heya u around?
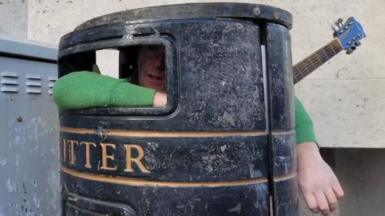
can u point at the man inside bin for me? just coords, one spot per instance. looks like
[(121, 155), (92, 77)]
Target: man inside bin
[(317, 181)]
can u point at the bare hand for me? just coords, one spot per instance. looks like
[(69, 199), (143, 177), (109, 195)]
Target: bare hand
[(317, 181), (160, 99)]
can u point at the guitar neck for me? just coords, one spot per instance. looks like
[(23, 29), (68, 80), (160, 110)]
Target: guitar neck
[(308, 65)]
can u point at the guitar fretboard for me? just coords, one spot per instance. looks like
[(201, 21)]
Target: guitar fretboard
[(308, 65)]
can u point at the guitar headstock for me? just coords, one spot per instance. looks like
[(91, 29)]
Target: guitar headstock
[(349, 34)]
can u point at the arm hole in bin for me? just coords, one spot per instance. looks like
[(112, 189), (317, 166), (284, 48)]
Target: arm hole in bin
[(154, 57)]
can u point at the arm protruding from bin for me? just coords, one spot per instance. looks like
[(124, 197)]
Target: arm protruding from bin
[(81, 90), (317, 181)]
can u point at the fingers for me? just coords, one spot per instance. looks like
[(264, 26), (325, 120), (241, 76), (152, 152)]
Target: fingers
[(339, 192), (311, 202), (331, 198), (322, 203)]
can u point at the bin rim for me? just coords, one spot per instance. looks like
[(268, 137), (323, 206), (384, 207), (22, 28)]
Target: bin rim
[(194, 10)]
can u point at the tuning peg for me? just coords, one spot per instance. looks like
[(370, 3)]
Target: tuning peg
[(339, 22), (334, 29), (358, 43), (350, 50)]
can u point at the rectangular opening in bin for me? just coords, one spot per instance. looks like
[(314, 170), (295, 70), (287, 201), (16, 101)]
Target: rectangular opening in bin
[(146, 63)]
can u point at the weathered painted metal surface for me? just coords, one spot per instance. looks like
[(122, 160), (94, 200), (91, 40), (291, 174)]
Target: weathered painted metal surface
[(224, 145), (29, 164)]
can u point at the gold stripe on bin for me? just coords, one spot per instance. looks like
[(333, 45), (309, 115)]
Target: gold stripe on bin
[(282, 132), (285, 177), (165, 134), (151, 183)]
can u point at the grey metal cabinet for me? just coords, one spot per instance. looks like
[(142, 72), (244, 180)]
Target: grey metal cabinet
[(29, 161)]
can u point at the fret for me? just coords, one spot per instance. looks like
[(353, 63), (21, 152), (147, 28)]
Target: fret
[(324, 57), (319, 58), (308, 65)]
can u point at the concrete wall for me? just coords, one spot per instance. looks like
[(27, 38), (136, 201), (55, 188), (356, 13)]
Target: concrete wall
[(13, 18)]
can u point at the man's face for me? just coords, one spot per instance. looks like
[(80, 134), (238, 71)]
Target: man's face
[(152, 68)]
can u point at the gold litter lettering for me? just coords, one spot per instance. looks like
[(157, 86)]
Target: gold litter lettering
[(72, 150), (106, 157), (137, 160), (64, 150), (88, 157)]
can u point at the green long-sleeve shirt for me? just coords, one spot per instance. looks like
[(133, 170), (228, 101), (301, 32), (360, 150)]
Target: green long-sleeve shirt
[(84, 89), (303, 124)]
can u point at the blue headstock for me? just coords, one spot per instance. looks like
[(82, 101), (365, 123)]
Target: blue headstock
[(349, 34)]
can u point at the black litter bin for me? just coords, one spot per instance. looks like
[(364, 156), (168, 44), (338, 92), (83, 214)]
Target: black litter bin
[(225, 142)]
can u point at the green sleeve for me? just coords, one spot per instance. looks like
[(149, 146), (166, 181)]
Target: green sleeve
[(303, 124), (85, 89)]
